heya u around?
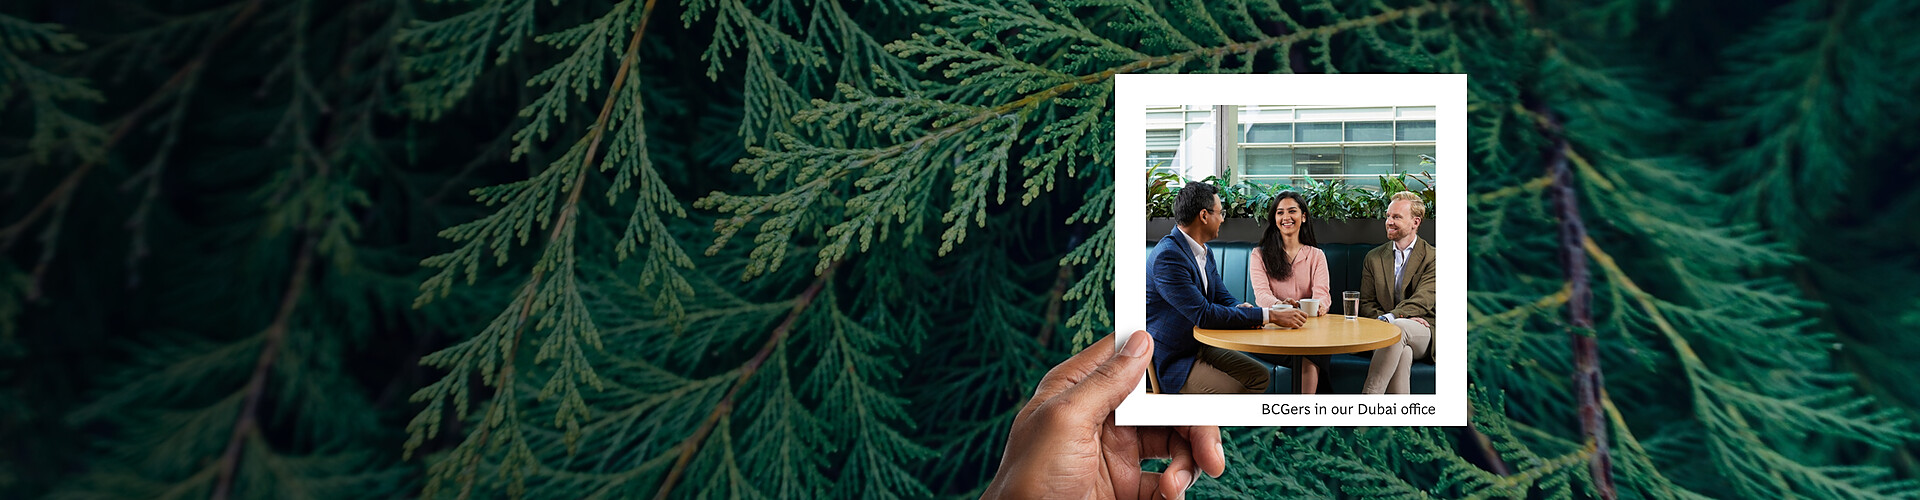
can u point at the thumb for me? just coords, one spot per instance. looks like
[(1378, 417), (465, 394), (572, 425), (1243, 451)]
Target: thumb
[(1112, 381)]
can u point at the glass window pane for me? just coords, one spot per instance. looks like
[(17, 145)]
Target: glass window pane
[(1267, 161), (1407, 159), (1318, 132), (1321, 161), (1370, 131), (1269, 132), (1369, 161), (1161, 161), (1175, 116), (1415, 131), (1163, 139)]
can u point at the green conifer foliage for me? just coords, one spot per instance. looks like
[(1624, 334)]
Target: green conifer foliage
[(247, 301), (1814, 148), (42, 92), (379, 248)]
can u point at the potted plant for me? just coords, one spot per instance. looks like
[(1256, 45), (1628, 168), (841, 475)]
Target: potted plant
[(1341, 213), (1161, 192)]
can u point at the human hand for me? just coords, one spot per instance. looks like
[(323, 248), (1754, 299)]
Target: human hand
[(1287, 318), (1244, 304), (1064, 443), (1422, 322)]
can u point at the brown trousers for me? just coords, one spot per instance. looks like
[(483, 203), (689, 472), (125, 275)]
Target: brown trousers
[(1224, 371)]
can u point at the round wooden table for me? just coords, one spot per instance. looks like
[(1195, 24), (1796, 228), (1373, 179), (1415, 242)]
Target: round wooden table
[(1323, 334)]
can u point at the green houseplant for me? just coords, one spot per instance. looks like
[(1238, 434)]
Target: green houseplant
[(1335, 200), (1398, 183), (1161, 193), (1342, 213)]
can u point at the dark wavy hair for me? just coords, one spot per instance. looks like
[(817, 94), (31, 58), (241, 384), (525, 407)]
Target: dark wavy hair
[(1193, 198), (1273, 246)]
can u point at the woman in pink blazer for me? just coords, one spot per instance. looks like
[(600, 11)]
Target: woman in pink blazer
[(1286, 268)]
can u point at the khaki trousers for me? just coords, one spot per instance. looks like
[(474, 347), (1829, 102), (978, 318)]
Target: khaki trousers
[(1392, 365), (1224, 371)]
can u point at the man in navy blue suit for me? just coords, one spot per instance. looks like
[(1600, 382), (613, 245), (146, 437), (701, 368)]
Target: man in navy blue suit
[(1184, 290)]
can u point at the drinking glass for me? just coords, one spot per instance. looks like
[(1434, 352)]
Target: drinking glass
[(1350, 302)]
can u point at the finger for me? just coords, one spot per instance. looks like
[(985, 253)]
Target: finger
[(1200, 442), (1107, 385), (1070, 372), (1293, 318), (1208, 453), (1149, 487), (1179, 474)]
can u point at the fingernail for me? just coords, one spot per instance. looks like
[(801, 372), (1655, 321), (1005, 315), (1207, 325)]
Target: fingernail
[(1188, 477), (1136, 345)]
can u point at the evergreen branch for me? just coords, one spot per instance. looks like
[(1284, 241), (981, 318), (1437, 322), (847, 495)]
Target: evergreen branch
[(1542, 470), (61, 195), (1357, 477), (276, 334), (559, 240), (1556, 300), (1493, 432), (1726, 422), (1637, 455), (1093, 316), (457, 50), (1495, 464), (43, 90), (858, 48), (19, 34), (1536, 185), (747, 370), (823, 167), (1587, 378), (1796, 127), (770, 100)]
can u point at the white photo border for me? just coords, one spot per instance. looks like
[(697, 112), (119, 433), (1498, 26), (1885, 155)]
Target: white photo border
[(1446, 92)]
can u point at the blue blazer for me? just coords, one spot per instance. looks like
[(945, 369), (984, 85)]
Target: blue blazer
[(1176, 304)]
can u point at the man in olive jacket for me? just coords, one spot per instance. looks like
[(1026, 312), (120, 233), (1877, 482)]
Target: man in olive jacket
[(1397, 286)]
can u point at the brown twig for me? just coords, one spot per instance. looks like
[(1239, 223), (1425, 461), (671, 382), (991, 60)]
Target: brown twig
[(256, 387), (752, 366), (1587, 379), (1055, 298)]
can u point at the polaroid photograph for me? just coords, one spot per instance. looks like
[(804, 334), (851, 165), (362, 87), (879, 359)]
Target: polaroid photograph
[(1295, 246)]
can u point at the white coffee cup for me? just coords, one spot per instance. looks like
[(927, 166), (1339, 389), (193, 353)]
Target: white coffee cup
[(1310, 306)]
